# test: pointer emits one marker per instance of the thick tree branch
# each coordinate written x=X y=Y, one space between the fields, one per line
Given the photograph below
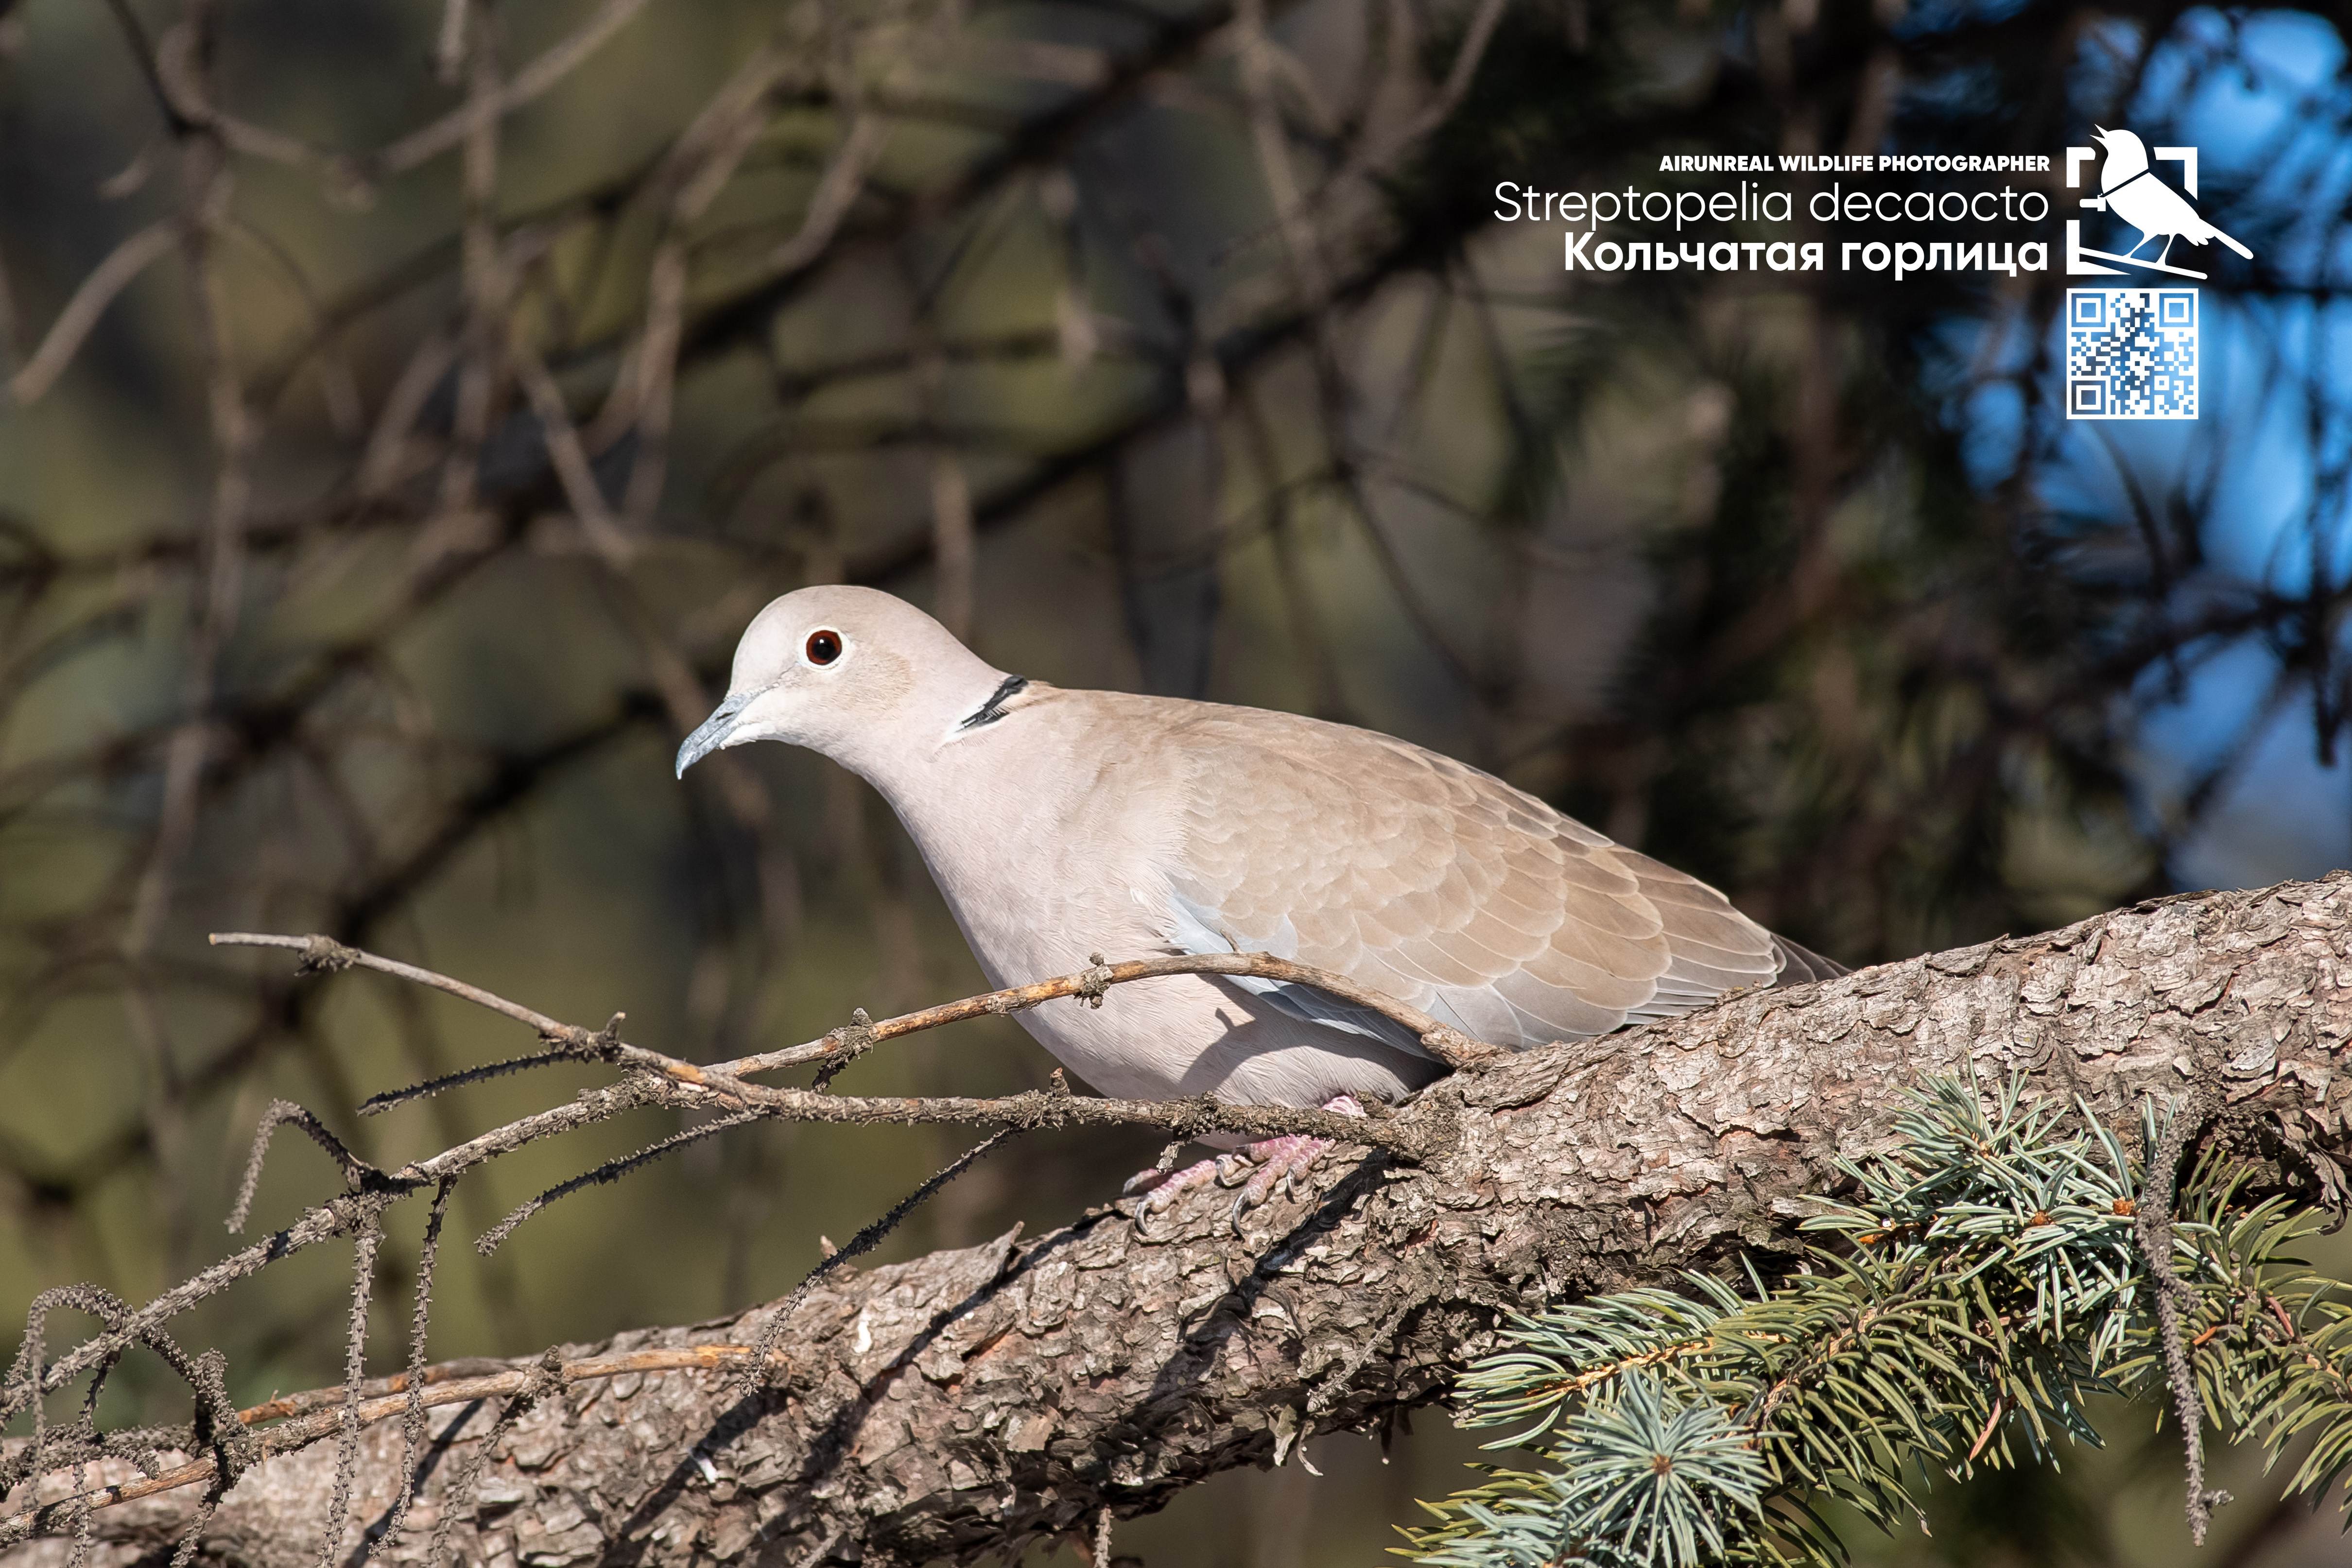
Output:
x=979 y=1399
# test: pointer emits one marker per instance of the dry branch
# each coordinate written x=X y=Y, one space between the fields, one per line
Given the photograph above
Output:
x=655 y=1079
x=839 y=1047
x=1008 y=1393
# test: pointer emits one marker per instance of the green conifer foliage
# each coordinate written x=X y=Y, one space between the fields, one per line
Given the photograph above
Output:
x=1982 y=1280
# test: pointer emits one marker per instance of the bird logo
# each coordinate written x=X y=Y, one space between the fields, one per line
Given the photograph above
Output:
x=2130 y=187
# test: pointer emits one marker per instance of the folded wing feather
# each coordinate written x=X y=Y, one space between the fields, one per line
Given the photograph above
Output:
x=1441 y=885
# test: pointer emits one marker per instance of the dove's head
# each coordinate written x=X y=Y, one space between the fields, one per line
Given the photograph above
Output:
x=854 y=674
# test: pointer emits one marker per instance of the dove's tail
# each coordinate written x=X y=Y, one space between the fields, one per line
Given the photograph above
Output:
x=2233 y=244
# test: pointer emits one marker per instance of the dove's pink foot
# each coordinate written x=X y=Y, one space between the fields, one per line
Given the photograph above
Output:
x=1279 y=1162
x=1159 y=1189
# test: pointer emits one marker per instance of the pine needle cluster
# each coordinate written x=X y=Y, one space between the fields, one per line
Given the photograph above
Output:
x=1981 y=1283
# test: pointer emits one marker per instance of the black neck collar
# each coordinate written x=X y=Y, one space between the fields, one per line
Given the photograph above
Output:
x=992 y=709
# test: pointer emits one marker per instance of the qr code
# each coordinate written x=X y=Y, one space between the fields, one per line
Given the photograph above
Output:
x=2131 y=353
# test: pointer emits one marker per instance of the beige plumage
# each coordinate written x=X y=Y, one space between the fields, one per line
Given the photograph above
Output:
x=1060 y=823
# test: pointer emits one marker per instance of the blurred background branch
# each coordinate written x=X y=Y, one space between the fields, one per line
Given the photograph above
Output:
x=411 y=401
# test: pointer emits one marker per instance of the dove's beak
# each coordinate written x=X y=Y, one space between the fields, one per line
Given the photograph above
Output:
x=711 y=735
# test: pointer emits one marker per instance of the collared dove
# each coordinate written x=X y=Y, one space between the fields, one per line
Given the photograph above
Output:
x=1062 y=823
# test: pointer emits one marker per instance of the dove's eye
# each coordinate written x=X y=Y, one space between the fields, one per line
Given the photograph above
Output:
x=823 y=647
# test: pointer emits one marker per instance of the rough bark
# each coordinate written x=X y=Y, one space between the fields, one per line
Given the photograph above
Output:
x=974 y=1399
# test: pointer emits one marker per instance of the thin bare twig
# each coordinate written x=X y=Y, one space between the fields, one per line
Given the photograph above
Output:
x=610 y=1171
x=364 y=1248
x=666 y=1081
x=1447 y=1044
x=376 y=1105
x=412 y=1422
x=89 y=302
x=279 y=1113
x=771 y=1333
x=559 y=60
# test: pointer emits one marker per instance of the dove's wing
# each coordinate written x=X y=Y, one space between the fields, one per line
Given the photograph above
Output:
x=1441 y=885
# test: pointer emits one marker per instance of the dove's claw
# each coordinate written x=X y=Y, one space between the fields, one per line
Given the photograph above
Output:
x=1281 y=1162
x=1150 y=1179
x=1156 y=1190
